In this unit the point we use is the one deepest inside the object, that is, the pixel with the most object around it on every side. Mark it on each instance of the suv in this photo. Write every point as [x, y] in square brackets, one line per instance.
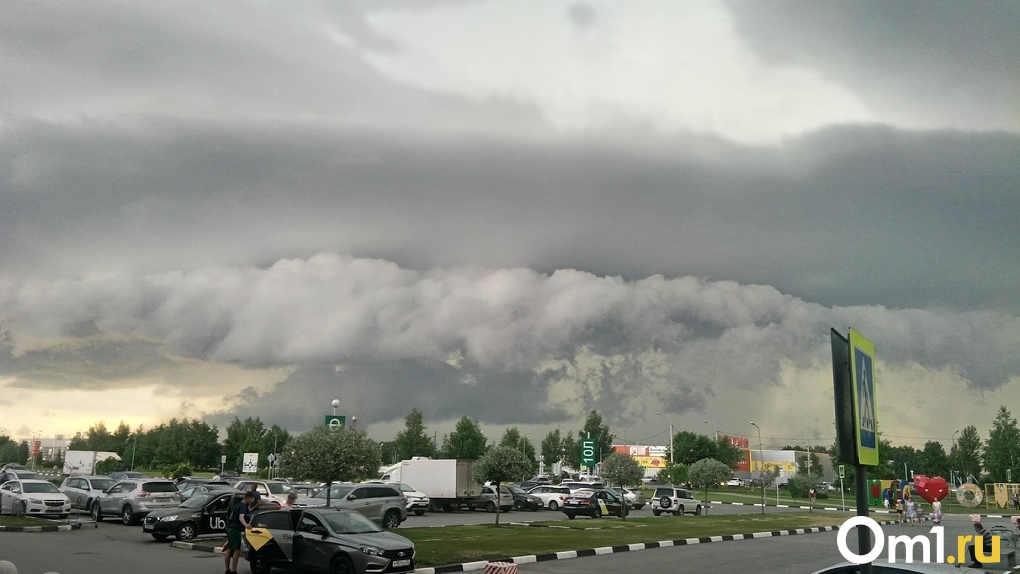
[272, 490]
[382, 503]
[417, 502]
[82, 490]
[133, 499]
[668, 499]
[487, 499]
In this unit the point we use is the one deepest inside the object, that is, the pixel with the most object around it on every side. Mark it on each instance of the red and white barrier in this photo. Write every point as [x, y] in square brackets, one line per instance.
[500, 568]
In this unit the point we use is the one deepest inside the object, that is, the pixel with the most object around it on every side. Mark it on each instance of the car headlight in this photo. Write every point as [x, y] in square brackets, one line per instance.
[372, 550]
[35, 501]
[170, 518]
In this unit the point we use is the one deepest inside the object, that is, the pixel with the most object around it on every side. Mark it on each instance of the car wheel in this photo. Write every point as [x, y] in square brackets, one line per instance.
[391, 519]
[665, 502]
[596, 513]
[697, 510]
[342, 565]
[257, 564]
[490, 506]
[96, 512]
[571, 515]
[186, 531]
[161, 537]
[553, 505]
[639, 507]
[679, 510]
[656, 513]
[519, 504]
[126, 516]
[419, 512]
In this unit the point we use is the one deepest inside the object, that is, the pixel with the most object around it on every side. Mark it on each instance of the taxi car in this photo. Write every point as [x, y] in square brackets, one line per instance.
[204, 513]
[594, 502]
[324, 540]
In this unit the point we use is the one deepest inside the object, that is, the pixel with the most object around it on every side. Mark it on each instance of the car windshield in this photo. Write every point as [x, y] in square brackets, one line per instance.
[406, 488]
[515, 490]
[198, 501]
[582, 493]
[350, 523]
[280, 488]
[334, 493]
[38, 487]
[102, 483]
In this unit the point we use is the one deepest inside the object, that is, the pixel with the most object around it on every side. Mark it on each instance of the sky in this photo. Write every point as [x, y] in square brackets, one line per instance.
[514, 211]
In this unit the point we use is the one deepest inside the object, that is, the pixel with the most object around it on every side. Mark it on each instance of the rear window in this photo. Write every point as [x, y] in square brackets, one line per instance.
[159, 487]
[660, 492]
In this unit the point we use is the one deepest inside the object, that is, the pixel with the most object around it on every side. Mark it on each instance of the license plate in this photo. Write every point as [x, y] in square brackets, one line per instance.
[161, 500]
[399, 563]
[147, 527]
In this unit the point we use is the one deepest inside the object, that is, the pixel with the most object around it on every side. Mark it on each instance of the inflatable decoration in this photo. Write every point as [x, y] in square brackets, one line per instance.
[931, 489]
[969, 495]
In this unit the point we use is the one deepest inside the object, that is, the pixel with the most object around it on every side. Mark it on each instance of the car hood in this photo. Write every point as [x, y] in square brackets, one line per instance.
[384, 540]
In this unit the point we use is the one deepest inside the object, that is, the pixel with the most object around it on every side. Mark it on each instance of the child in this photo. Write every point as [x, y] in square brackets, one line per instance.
[911, 511]
[936, 512]
[899, 509]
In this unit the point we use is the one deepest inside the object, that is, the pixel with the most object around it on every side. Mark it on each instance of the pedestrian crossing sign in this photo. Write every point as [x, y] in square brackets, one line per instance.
[862, 373]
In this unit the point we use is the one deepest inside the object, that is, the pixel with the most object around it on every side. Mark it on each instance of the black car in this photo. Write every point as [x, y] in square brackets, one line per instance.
[201, 514]
[194, 489]
[523, 500]
[324, 540]
[592, 502]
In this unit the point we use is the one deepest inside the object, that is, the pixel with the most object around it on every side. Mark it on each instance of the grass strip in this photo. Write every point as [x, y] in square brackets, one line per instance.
[457, 544]
[27, 521]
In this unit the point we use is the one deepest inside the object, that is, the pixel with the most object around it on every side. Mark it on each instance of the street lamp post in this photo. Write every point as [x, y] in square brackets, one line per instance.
[952, 450]
[336, 403]
[670, 440]
[761, 462]
[716, 429]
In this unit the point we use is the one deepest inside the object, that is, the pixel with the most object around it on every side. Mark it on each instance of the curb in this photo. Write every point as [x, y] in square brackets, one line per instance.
[197, 547]
[566, 555]
[54, 528]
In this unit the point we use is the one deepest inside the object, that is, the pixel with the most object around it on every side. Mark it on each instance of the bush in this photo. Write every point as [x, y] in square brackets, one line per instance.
[178, 471]
[799, 485]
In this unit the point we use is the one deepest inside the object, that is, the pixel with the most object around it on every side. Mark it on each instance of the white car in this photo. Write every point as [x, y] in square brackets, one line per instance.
[735, 482]
[33, 498]
[552, 496]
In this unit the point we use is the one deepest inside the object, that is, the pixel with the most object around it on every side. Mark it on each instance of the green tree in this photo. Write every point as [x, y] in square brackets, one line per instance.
[23, 452]
[1002, 449]
[106, 466]
[329, 455]
[934, 461]
[622, 470]
[675, 473]
[513, 438]
[466, 441]
[242, 436]
[571, 452]
[965, 456]
[412, 441]
[690, 447]
[552, 447]
[594, 429]
[708, 471]
[501, 464]
[727, 452]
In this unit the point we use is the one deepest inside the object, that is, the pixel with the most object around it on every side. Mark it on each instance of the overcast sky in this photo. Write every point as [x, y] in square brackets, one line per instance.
[515, 211]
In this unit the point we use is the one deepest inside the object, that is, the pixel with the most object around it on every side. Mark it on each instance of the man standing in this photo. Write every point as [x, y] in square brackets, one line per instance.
[239, 521]
[253, 505]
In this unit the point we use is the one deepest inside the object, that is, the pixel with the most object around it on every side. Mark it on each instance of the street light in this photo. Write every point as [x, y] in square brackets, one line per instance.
[952, 450]
[670, 440]
[716, 429]
[761, 462]
[336, 403]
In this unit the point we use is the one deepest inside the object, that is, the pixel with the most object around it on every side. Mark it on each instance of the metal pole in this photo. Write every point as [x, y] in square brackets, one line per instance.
[863, 533]
[761, 463]
[134, 451]
[671, 443]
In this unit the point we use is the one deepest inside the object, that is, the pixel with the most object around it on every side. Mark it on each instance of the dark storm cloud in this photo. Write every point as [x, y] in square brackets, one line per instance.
[922, 61]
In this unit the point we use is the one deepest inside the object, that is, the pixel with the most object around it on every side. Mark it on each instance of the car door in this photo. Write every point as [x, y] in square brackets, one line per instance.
[111, 503]
[214, 514]
[312, 551]
[6, 497]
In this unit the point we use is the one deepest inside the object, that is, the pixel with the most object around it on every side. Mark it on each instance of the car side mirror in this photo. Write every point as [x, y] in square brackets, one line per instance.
[351, 497]
[320, 530]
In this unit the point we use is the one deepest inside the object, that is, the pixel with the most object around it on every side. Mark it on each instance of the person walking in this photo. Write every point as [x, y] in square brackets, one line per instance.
[239, 521]
[899, 509]
[911, 510]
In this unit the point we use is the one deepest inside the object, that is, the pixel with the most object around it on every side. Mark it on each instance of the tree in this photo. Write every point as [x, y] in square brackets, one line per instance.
[1002, 449]
[727, 452]
[675, 473]
[328, 455]
[622, 470]
[23, 452]
[934, 461]
[552, 447]
[689, 447]
[514, 439]
[501, 464]
[709, 471]
[594, 429]
[571, 452]
[242, 436]
[466, 441]
[412, 441]
[965, 456]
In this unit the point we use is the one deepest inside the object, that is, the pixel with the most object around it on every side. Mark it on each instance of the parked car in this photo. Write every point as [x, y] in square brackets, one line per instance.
[204, 513]
[523, 500]
[736, 482]
[541, 479]
[417, 502]
[552, 497]
[132, 499]
[649, 481]
[32, 497]
[82, 490]
[635, 498]
[127, 475]
[488, 500]
[381, 503]
[593, 502]
[326, 540]
[671, 500]
[525, 485]
[574, 485]
[18, 474]
[275, 491]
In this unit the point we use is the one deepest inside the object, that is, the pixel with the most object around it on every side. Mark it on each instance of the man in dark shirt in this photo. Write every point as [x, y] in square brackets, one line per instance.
[240, 520]
[985, 541]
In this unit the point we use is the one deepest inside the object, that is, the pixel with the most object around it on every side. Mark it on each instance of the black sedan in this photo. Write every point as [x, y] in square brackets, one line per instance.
[201, 514]
[525, 501]
[592, 502]
[324, 540]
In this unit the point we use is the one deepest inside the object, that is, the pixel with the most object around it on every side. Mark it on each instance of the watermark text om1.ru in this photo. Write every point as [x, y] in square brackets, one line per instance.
[909, 542]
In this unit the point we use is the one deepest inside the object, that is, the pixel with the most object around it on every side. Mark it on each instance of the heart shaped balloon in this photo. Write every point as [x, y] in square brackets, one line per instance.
[931, 489]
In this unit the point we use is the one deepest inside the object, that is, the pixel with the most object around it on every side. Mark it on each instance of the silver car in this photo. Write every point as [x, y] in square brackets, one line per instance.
[132, 499]
[381, 503]
[83, 490]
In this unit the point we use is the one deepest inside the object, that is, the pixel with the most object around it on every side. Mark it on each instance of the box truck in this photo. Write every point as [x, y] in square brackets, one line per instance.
[84, 461]
[449, 483]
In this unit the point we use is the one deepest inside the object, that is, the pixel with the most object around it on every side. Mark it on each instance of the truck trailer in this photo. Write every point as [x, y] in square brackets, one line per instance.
[449, 483]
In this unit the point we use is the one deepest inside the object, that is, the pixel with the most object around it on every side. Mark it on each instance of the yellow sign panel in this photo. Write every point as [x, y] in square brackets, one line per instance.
[651, 461]
[782, 465]
[862, 376]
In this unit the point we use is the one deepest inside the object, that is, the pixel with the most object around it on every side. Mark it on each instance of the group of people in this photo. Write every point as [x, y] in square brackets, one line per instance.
[240, 520]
